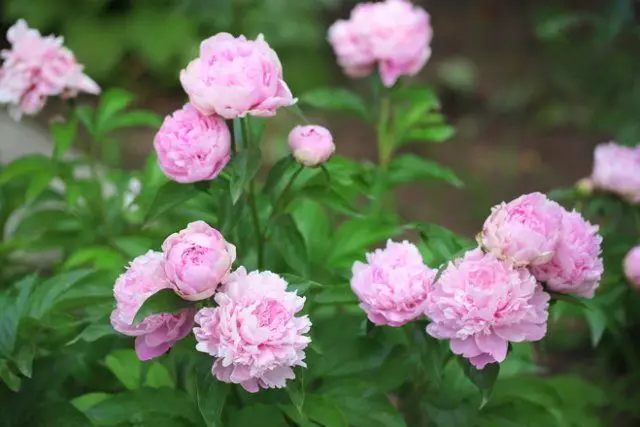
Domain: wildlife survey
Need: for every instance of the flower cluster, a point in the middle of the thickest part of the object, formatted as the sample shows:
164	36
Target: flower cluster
253	331
494	294
231	78
616	169
394	34
36	68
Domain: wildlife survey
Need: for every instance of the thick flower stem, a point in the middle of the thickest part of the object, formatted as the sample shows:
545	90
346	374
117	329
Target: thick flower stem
251	199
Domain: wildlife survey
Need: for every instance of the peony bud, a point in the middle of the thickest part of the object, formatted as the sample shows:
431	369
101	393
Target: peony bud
632	266
196	260
311	145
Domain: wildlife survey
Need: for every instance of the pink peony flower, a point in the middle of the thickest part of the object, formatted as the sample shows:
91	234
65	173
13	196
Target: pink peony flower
234	77
393	285
632	266
311	145
197	259
192	147
576	267
36	68
157	333
617	169
254	332
481	303
394	34
525	230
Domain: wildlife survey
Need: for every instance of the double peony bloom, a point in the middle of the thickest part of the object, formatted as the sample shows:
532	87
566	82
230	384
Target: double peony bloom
616	169
253	331
494	294
395	35
37	67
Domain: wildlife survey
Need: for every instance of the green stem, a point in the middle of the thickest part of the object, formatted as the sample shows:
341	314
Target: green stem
251	199
385	143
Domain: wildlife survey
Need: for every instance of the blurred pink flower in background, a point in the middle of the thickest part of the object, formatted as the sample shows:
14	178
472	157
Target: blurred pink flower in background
254	332
576	268
631	266
525	230
192	147
481	303
36	68
156	333
393	285
311	145
235	77
196	260
394	34
616	168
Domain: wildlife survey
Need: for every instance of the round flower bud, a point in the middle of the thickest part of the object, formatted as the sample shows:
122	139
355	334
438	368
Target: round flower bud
632	266
311	145
192	147
196	260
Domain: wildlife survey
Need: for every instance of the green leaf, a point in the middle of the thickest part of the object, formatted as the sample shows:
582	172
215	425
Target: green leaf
245	165
354	237
86	115
409	167
211	395
277	172
126	366
24	359
135	118
38	183
300	284
265	416
597	320
290	244
94	332
483	379
324	411
63	134
340	294
569	299
133	245
125	408
335	99
329	197
439	133
49	292
10	379
26	166
111	102
101	257
170	195
413	105
163	301
86	401
158	376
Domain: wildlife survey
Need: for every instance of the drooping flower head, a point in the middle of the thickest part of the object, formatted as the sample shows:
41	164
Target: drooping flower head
394	34
525	230
157	333
37	67
616	168
632	266
234	77
481	303
576	268
192	147
254	332
393	285
311	145
196	260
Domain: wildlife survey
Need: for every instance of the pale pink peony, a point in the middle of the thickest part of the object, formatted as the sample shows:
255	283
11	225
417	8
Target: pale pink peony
235	77
395	34
157	333
393	285
617	169
632	266
196	260
311	145
525	230
576	268
192	147
36	68
254	332
481	303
